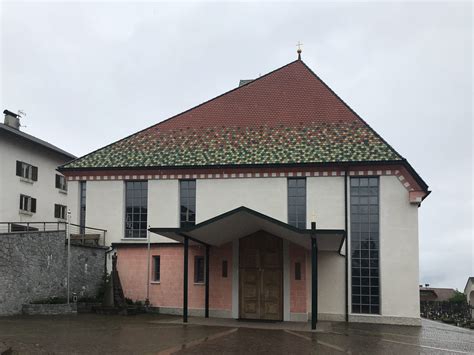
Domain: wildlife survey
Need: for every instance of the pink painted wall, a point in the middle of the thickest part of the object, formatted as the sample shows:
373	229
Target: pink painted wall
297	287
132	264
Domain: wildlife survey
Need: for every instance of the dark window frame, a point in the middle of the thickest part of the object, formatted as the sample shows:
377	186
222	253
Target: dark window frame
365	245
136	209
60	211
297	271
199	267
156	268
26	171
61	182
225	266
297	202
187	202
27	203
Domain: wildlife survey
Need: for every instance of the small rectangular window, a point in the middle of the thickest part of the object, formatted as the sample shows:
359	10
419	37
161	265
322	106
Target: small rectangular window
26	170
60	211
198	269
156	268
298	271
27	204
61	182
224	268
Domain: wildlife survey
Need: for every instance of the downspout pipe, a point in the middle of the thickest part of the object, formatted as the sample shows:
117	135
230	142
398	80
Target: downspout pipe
346	225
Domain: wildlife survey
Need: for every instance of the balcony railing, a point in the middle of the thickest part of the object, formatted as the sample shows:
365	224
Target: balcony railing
79	234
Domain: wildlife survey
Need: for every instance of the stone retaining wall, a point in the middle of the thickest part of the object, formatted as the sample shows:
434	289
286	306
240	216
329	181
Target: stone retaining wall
49	309
33	267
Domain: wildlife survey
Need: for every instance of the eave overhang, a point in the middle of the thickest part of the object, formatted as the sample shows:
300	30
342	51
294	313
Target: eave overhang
242	222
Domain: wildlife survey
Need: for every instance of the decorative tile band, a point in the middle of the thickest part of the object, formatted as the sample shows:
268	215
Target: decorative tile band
302	173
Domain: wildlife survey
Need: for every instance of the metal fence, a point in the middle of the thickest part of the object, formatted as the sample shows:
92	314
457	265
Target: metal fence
79	234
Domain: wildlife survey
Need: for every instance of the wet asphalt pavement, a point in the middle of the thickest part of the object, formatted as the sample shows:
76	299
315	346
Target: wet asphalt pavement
153	334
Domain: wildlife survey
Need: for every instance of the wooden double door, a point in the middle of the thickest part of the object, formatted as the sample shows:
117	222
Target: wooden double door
261	277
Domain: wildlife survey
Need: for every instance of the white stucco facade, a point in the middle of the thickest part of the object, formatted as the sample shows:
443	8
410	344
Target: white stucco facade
399	257
399	298
13	149
399	270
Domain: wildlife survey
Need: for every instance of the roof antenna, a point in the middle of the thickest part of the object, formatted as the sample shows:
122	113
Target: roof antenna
299	44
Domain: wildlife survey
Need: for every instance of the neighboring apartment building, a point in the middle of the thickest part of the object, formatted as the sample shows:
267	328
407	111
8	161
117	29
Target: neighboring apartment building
31	189
469	292
230	189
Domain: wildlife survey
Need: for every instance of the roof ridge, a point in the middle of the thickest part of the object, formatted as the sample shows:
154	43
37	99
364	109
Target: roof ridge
183	112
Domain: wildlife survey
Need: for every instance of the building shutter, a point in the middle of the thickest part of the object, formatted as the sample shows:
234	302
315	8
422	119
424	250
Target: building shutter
33	205
58	181
18	168
21	202
35	173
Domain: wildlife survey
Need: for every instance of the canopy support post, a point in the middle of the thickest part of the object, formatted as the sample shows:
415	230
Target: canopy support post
206	315
314	277
185	281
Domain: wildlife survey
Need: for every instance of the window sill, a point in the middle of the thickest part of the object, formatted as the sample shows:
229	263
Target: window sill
155	282
62	191
200	284
134	239
366	314
26	213
62	220
28	181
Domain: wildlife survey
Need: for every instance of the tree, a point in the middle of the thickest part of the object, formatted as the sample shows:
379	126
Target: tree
458	297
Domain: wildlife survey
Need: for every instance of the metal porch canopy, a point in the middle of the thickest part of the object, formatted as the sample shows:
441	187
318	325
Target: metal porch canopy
242	222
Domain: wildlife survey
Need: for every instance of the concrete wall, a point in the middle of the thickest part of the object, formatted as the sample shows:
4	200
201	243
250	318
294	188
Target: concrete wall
73	202
33	267
265	195
11	185
163	206
398	251
105	208
325	196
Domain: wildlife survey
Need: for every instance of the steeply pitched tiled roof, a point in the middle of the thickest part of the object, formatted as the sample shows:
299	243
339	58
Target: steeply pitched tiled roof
286	116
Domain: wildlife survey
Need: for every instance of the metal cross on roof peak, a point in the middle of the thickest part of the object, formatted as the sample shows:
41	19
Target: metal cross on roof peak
299	44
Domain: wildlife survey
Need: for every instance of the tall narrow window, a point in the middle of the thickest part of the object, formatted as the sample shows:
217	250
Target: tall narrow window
82	206
298	271
224	268
187	195
365	245
156	268
199	269
136	210
297	202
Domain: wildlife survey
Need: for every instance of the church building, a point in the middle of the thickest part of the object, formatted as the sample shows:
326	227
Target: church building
272	201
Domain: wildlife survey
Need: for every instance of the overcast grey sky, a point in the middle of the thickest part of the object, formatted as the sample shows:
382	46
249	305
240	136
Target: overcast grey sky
90	73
